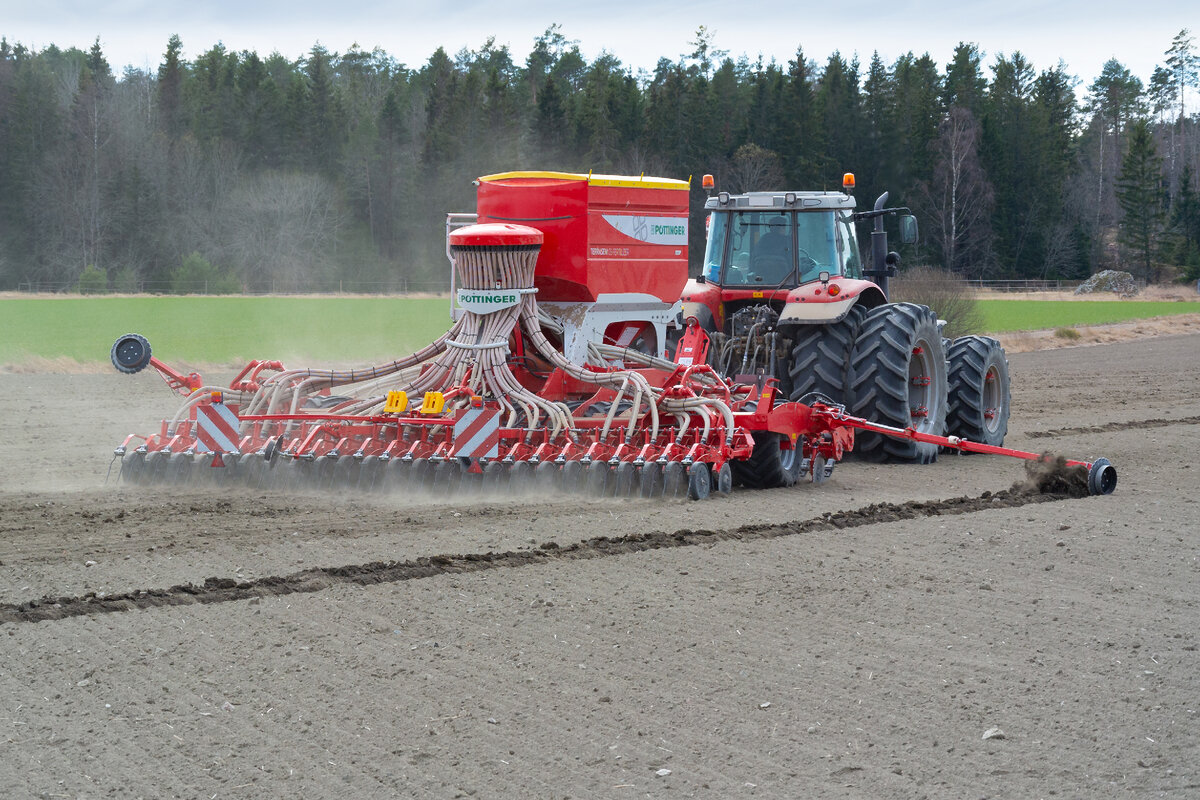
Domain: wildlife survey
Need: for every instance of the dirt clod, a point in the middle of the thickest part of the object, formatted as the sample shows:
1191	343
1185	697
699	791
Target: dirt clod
1051	475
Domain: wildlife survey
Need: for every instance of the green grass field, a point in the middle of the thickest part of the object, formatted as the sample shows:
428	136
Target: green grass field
354	330
222	330
1003	316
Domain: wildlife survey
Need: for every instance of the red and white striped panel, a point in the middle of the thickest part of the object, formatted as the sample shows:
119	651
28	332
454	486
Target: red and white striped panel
217	429
477	433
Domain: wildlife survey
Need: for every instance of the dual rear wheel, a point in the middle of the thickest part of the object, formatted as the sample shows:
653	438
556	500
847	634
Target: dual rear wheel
891	365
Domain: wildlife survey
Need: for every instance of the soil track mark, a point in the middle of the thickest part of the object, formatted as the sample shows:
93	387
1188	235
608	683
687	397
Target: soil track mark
1044	485
1112	426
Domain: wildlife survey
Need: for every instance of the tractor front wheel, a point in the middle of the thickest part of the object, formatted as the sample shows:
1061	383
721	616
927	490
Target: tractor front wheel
899	370
820	363
769	465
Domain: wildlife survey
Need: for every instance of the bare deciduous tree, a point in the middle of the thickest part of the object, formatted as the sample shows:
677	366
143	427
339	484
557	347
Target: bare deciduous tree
958	200
282	228
755	169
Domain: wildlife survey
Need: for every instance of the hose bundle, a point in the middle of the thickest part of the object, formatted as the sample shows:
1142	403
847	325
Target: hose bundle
495	263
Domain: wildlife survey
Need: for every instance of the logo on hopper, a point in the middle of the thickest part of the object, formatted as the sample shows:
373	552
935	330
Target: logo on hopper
484	302
651	230
499	299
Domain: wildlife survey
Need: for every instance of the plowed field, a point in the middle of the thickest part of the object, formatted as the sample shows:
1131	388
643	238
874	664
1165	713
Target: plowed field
861	639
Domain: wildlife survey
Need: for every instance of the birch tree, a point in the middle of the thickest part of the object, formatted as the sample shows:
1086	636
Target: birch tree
958	200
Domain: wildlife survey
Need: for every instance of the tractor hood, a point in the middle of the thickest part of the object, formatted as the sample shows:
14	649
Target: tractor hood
812	303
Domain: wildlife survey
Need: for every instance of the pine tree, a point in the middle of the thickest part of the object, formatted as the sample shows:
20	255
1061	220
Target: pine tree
1017	149
1185	221
1139	193
874	171
209	95
439	81
324	133
170	89
550	123
260	112
1184	65
799	137
764	92
916	110
1053	129
839	108
965	84
726	112
98	64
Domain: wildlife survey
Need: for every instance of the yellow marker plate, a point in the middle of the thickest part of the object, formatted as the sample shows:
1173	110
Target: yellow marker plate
397	403
433	403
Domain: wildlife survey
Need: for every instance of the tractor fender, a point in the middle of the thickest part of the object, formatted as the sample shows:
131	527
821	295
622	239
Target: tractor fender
812	305
703	301
703	315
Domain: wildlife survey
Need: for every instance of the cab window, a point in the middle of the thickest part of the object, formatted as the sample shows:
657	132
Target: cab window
847	244
774	247
761	249
714	251
818	245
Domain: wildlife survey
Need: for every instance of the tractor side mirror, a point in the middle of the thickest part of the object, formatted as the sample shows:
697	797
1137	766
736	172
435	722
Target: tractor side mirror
908	228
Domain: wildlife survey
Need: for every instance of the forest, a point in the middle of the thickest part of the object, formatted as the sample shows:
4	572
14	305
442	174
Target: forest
238	172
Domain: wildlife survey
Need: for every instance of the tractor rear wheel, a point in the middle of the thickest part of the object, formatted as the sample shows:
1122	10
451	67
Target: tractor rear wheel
899	370
821	359
769	465
979	395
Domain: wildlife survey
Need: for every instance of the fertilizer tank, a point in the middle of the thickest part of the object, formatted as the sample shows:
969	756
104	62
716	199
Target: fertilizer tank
604	234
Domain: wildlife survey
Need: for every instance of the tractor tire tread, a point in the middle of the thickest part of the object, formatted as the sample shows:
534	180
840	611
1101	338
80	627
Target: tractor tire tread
880	369
821	358
766	467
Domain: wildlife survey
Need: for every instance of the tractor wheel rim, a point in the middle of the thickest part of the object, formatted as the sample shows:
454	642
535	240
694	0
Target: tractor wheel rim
922	391
787	458
991	400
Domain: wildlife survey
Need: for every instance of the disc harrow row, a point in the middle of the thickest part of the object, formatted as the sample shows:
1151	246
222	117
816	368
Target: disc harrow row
423	478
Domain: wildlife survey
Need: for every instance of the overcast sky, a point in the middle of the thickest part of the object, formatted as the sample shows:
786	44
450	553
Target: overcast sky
1083	34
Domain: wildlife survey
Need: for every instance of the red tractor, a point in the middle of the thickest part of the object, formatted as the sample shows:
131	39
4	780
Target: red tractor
784	293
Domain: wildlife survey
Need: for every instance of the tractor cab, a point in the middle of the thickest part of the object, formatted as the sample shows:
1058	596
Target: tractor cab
784	285
756	247
791	256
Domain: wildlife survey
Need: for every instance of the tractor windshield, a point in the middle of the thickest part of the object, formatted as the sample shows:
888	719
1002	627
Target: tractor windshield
779	248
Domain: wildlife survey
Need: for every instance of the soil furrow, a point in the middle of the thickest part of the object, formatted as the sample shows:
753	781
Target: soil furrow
220	590
1112	426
